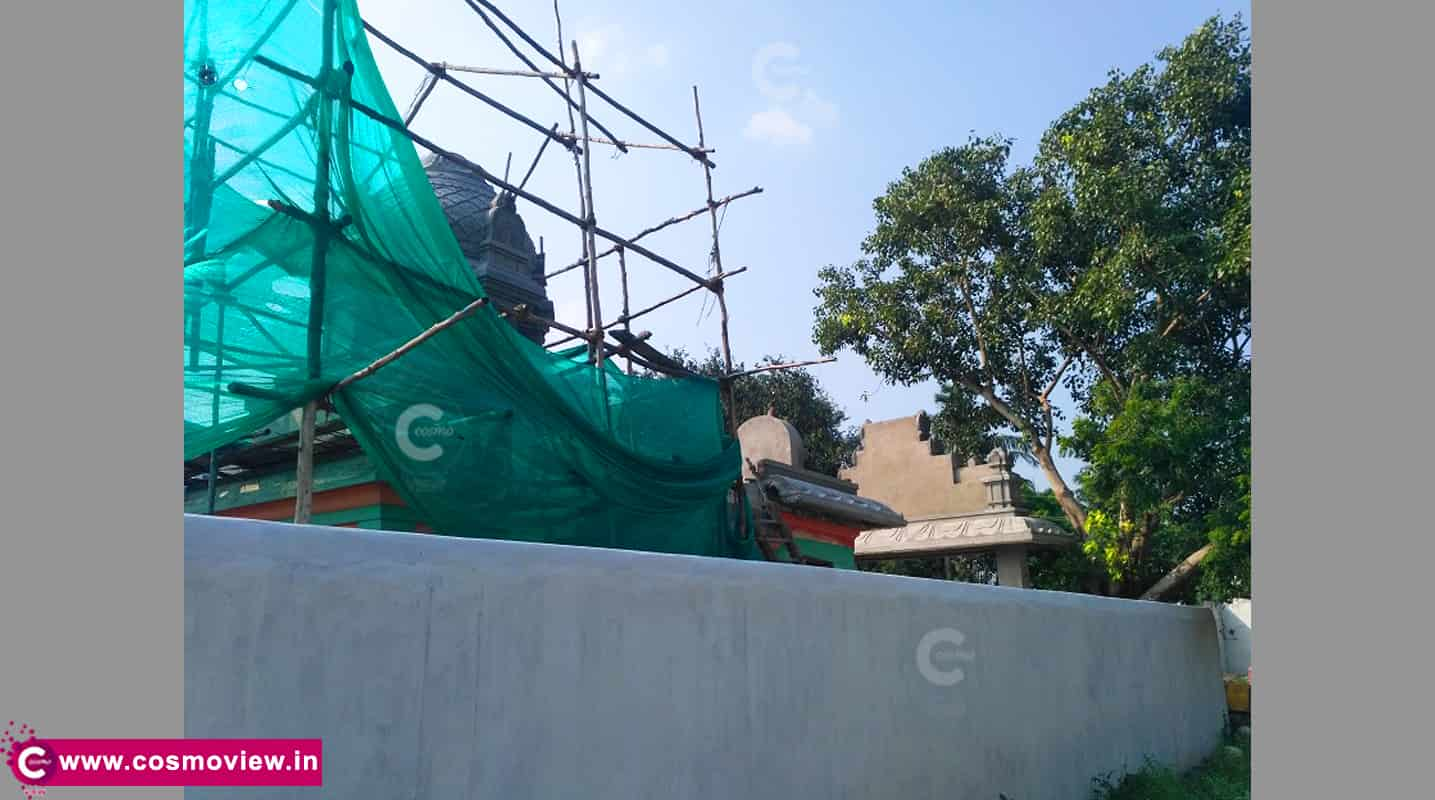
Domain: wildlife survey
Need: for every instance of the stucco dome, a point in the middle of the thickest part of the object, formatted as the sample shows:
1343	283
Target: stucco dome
771	438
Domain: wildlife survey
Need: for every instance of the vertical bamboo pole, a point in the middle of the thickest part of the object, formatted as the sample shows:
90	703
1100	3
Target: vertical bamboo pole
318	279
577	173
595	330
627	323
212	489
718	287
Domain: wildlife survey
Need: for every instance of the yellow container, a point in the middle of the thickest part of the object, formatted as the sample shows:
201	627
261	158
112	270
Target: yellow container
1238	695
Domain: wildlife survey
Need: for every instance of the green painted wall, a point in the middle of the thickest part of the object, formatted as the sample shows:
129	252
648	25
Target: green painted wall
841	557
280	485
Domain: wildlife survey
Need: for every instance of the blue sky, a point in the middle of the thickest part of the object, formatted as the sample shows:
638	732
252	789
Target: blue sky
820	103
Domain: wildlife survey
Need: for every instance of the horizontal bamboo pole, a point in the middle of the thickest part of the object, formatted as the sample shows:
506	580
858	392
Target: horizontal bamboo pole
788	365
654	307
643	146
516	73
661	225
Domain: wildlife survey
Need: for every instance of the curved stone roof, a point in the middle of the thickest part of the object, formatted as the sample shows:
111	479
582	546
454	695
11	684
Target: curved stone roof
466	199
493	238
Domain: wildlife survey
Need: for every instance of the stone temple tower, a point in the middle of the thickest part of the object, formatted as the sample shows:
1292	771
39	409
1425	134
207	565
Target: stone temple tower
494	240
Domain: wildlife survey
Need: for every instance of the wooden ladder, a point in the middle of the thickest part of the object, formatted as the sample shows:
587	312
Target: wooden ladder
773	536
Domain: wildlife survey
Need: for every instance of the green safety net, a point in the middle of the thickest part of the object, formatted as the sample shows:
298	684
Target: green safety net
480	430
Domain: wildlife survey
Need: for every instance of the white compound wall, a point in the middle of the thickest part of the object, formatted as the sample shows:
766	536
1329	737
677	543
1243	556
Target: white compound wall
438	667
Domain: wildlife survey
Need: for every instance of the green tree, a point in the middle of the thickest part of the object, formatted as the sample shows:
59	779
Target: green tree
1117	265
1168	473
794	395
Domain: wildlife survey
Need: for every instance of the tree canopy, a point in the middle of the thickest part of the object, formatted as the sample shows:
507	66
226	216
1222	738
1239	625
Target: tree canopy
1117	264
794	395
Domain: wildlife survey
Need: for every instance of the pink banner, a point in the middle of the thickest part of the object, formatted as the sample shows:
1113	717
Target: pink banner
168	762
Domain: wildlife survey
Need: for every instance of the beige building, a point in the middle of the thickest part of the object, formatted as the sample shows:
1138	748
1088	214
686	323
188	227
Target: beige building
951	508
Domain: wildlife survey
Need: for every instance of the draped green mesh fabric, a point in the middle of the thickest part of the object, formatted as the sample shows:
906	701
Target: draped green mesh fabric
480	430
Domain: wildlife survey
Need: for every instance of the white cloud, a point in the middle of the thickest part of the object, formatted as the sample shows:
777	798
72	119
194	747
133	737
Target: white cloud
795	111
777	126
609	49
595	45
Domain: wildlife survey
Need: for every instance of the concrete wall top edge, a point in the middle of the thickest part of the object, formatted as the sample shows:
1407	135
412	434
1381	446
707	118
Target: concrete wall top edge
233	539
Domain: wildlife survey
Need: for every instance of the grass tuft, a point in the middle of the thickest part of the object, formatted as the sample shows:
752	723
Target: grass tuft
1224	776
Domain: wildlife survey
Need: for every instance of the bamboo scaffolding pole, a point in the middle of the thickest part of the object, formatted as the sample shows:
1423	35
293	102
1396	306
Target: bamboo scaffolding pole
627	320
536	157
646	145
787	365
516	73
595	340
651	308
590	244
440	73
512	48
589	319
718	288
211	493
654	229
425	89
304	470
493	179
433	330
659	132
522	312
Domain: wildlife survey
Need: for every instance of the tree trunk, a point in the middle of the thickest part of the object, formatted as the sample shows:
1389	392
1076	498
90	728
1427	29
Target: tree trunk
1177	577
1064	496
